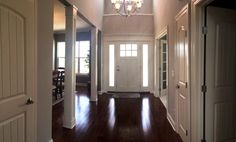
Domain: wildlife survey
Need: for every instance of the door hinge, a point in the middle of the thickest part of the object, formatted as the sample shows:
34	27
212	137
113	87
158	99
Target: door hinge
186	33
186	132
204	88
204	30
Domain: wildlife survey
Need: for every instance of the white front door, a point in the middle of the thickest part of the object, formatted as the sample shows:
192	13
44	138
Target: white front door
17	70
128	67
182	75
221	75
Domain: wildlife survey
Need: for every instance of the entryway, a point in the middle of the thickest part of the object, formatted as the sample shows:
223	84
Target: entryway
129	66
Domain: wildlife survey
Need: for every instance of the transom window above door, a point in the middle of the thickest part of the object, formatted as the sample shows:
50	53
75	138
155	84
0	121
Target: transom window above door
128	50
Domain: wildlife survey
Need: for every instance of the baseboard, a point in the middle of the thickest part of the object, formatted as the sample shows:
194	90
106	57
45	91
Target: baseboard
50	140
171	121
101	92
69	124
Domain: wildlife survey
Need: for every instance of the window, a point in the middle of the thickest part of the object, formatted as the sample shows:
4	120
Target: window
128	50
145	65
82	53
61	49
111	65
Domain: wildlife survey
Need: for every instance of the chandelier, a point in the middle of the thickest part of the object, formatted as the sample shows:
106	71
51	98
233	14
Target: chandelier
127	7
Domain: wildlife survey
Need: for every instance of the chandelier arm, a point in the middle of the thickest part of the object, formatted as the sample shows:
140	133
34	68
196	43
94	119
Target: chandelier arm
125	9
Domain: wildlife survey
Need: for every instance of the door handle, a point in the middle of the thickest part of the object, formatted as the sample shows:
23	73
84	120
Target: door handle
117	69
177	86
29	101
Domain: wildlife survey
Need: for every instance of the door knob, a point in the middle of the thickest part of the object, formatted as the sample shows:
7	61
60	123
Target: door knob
29	101
177	86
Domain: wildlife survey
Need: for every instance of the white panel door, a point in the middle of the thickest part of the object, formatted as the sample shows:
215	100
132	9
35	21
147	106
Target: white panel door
17	70
128	68
182	75
221	75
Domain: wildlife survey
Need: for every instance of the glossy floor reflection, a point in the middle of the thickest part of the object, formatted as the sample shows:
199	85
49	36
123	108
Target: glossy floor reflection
115	120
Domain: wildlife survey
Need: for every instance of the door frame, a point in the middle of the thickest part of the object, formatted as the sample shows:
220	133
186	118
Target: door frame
113	39
184	10
197	67
157	82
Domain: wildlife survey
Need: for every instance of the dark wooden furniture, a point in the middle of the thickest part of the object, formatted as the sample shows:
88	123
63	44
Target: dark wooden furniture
58	83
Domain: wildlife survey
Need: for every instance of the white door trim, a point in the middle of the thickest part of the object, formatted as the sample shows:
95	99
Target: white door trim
197	53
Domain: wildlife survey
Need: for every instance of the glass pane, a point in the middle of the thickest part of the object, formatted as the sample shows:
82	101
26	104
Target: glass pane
164	75
84	43
122	53
128	47
134	53
77	49
84	51
112	65
84	48
164	57
61	49
164	85
76	65
145	65
61	62
122	47
84	66
164	47
164	66
128	53
134	47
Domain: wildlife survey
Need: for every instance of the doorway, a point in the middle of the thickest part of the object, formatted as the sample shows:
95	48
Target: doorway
220	68
130	66
163	64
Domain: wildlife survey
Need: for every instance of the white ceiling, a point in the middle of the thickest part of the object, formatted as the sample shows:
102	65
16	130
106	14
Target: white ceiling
59	18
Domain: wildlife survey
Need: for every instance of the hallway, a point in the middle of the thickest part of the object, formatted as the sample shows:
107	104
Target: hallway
115	120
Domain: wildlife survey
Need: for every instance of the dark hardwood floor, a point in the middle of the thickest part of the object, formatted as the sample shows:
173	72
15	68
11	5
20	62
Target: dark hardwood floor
115	120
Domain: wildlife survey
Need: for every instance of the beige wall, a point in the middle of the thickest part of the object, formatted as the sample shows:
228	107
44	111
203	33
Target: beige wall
91	9
44	70
164	15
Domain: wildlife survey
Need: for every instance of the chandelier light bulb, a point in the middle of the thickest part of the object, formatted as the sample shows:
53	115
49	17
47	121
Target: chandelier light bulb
117	6
127	7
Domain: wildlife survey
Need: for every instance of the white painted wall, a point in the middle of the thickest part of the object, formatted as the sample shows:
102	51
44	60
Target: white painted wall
44	70
91	9
164	15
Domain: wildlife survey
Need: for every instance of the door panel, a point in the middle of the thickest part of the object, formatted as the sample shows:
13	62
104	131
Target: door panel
182	75
13	129
17	70
220	75
128	69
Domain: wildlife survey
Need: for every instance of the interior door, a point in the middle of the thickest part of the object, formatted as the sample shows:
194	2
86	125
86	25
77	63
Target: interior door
163	72
17	70
182	75
128	68
221	75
